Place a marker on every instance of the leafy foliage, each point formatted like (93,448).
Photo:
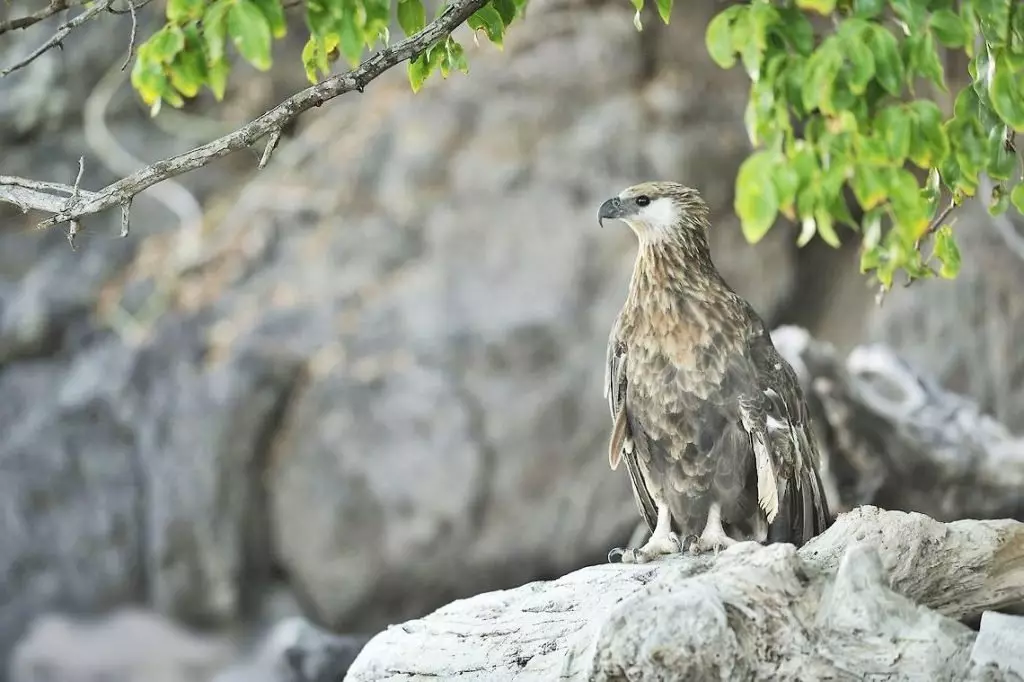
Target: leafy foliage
(835,110)
(844,108)
(191,50)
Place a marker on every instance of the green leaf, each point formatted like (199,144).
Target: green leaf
(822,70)
(718,37)
(215,30)
(488,19)
(787,181)
(412,16)
(250,33)
(895,126)
(929,144)
(457,55)
(825,7)
(418,71)
(1006,90)
(756,202)
(183,11)
(868,186)
(166,43)
(912,12)
(947,252)
(923,58)
(273,11)
(861,62)
(949,28)
(148,76)
(507,10)
(188,71)
(889,66)
(994,20)
(664,9)
(1002,162)
(909,208)
(797,29)
(350,37)
(823,220)
(217,78)
(999,202)
(867,9)
(1017,197)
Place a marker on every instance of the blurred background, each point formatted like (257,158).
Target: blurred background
(367,380)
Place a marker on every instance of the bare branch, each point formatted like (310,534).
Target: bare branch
(275,137)
(54,7)
(60,35)
(33,194)
(131,39)
(120,192)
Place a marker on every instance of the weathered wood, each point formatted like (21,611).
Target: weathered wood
(866,598)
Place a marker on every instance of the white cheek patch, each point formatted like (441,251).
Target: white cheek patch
(659,213)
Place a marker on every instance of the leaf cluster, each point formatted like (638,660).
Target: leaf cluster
(836,111)
(191,51)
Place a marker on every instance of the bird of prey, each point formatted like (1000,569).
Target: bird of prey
(708,417)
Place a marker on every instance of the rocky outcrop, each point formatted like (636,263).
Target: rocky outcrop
(880,594)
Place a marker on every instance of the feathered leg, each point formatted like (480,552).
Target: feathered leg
(714,537)
(663,541)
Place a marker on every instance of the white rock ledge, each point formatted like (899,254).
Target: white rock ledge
(879,596)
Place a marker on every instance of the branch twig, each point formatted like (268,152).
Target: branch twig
(54,7)
(131,39)
(936,224)
(122,191)
(58,37)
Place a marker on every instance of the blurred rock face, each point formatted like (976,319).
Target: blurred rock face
(384,379)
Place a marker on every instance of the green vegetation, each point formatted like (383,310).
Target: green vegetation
(849,103)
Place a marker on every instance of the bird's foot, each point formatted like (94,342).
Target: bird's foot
(712,540)
(654,548)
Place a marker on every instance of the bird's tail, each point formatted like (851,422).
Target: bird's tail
(804,511)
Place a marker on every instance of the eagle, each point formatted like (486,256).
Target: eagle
(708,417)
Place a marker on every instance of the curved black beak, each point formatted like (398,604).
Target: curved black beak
(610,210)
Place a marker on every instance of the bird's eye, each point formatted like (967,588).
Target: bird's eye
(643,200)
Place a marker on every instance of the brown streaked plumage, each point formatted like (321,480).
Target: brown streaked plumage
(708,417)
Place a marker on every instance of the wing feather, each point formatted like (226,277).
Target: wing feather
(803,509)
(622,445)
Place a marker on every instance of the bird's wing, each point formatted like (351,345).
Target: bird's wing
(688,430)
(802,506)
(621,445)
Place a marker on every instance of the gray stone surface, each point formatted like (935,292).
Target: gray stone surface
(129,645)
(1000,641)
(852,604)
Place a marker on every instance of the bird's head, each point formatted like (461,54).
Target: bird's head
(657,211)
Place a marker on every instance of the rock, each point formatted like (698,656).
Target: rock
(825,611)
(295,650)
(894,438)
(998,642)
(129,645)
(133,474)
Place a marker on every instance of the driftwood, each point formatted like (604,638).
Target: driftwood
(893,438)
(880,595)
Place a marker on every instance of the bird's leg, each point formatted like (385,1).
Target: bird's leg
(663,541)
(713,538)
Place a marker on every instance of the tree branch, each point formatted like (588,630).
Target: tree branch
(64,29)
(120,193)
(34,18)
